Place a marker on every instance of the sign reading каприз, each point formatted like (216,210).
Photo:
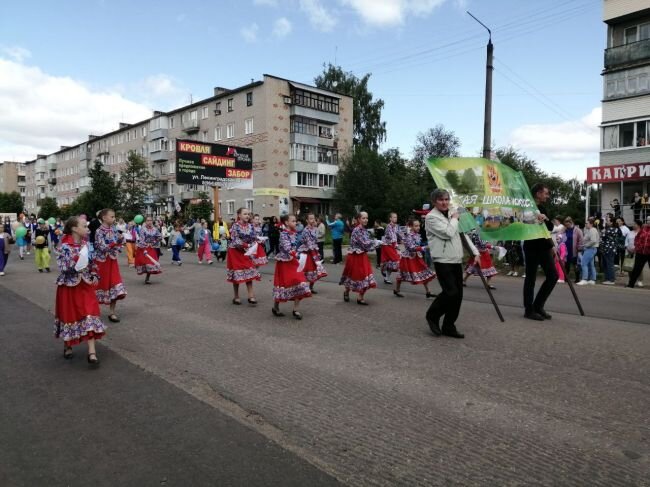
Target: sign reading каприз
(211,164)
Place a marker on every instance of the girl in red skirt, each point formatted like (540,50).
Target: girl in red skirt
(389,252)
(314,269)
(357,274)
(412,267)
(77,317)
(204,244)
(485,261)
(146,253)
(108,245)
(239,265)
(289,283)
(260,258)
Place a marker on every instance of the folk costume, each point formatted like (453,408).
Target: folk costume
(77,316)
(357,274)
(239,266)
(412,267)
(314,269)
(204,246)
(390,256)
(146,253)
(289,284)
(108,245)
(260,258)
(485,261)
(41,249)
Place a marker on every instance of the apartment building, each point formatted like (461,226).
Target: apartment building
(12,178)
(624,167)
(297,133)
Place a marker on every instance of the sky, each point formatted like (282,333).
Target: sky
(74,68)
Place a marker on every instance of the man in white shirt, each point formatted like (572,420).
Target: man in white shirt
(620,256)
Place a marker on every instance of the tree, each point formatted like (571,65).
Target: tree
(135,183)
(104,189)
(11,203)
(435,142)
(203,209)
(49,208)
(368,129)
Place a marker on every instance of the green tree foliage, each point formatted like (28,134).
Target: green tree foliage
(200,210)
(368,129)
(49,208)
(435,142)
(11,203)
(134,186)
(102,194)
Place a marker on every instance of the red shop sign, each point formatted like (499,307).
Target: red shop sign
(621,172)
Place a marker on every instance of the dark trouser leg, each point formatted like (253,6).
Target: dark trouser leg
(338,252)
(447,303)
(321,250)
(640,261)
(547,264)
(573,262)
(532,262)
(378,250)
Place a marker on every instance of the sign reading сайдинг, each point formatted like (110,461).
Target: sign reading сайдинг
(211,164)
(617,173)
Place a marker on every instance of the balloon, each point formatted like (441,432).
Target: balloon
(40,221)
(180,241)
(15,225)
(40,240)
(215,247)
(51,220)
(21,232)
(138,219)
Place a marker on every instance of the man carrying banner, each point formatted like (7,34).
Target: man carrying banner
(539,252)
(447,254)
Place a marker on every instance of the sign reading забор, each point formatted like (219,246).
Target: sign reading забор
(212,164)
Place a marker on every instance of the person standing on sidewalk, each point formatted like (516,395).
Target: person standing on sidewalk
(609,250)
(337,227)
(5,248)
(321,237)
(591,241)
(447,254)
(539,252)
(641,253)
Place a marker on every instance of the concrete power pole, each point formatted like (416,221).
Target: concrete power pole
(489,68)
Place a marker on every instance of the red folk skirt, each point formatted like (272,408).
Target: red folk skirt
(389,259)
(357,274)
(110,287)
(240,268)
(260,257)
(313,271)
(77,316)
(414,270)
(485,262)
(288,283)
(147,263)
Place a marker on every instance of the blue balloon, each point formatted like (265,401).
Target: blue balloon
(215,246)
(180,241)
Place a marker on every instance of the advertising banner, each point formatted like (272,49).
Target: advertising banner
(619,172)
(213,164)
(270,192)
(490,196)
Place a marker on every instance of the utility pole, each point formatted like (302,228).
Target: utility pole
(489,67)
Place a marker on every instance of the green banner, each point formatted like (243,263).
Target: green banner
(490,196)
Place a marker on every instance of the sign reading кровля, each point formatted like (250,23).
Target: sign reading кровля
(211,164)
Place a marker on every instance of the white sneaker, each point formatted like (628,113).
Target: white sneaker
(2,273)
(561,281)
(639,284)
(582,283)
(510,273)
(515,274)
(608,283)
(591,283)
(523,275)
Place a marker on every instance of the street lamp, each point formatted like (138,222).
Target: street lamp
(489,68)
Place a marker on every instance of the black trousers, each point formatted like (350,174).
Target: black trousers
(536,257)
(640,260)
(572,262)
(447,303)
(321,250)
(337,245)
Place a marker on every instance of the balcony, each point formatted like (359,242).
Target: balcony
(51,181)
(85,155)
(189,195)
(159,156)
(627,54)
(190,126)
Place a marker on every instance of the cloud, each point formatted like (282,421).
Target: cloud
(319,17)
(282,27)
(250,33)
(267,3)
(553,145)
(384,13)
(17,53)
(40,112)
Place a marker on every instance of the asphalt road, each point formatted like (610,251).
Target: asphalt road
(366,394)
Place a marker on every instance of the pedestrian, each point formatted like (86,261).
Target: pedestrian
(289,282)
(636,205)
(146,253)
(177,242)
(357,274)
(21,243)
(337,227)
(378,235)
(204,244)
(321,237)
(621,236)
(574,245)
(77,315)
(313,267)
(540,252)
(224,236)
(609,249)
(389,248)
(641,253)
(645,205)
(130,238)
(260,258)
(514,256)
(447,254)
(485,261)
(560,256)
(108,245)
(5,248)
(41,246)
(591,241)
(240,268)
(412,266)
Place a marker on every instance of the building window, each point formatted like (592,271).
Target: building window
(326,181)
(304,152)
(315,101)
(626,135)
(325,132)
(249,99)
(230,108)
(217,108)
(307,179)
(248,126)
(303,125)
(218,133)
(143,131)
(249,204)
(194,115)
(327,155)
(230,130)
(230,206)
(204,113)
(204,136)
(172,122)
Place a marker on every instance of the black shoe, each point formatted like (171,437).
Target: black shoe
(93,361)
(40,270)
(534,316)
(47,269)
(67,353)
(452,333)
(276,311)
(297,315)
(398,294)
(313,291)
(542,312)
(431,295)
(434,327)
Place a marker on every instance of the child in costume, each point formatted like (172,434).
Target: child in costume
(177,242)
(314,269)
(357,274)
(485,261)
(5,248)
(560,242)
(204,244)
(260,258)
(239,264)
(389,251)
(146,253)
(412,267)
(42,252)
(108,245)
